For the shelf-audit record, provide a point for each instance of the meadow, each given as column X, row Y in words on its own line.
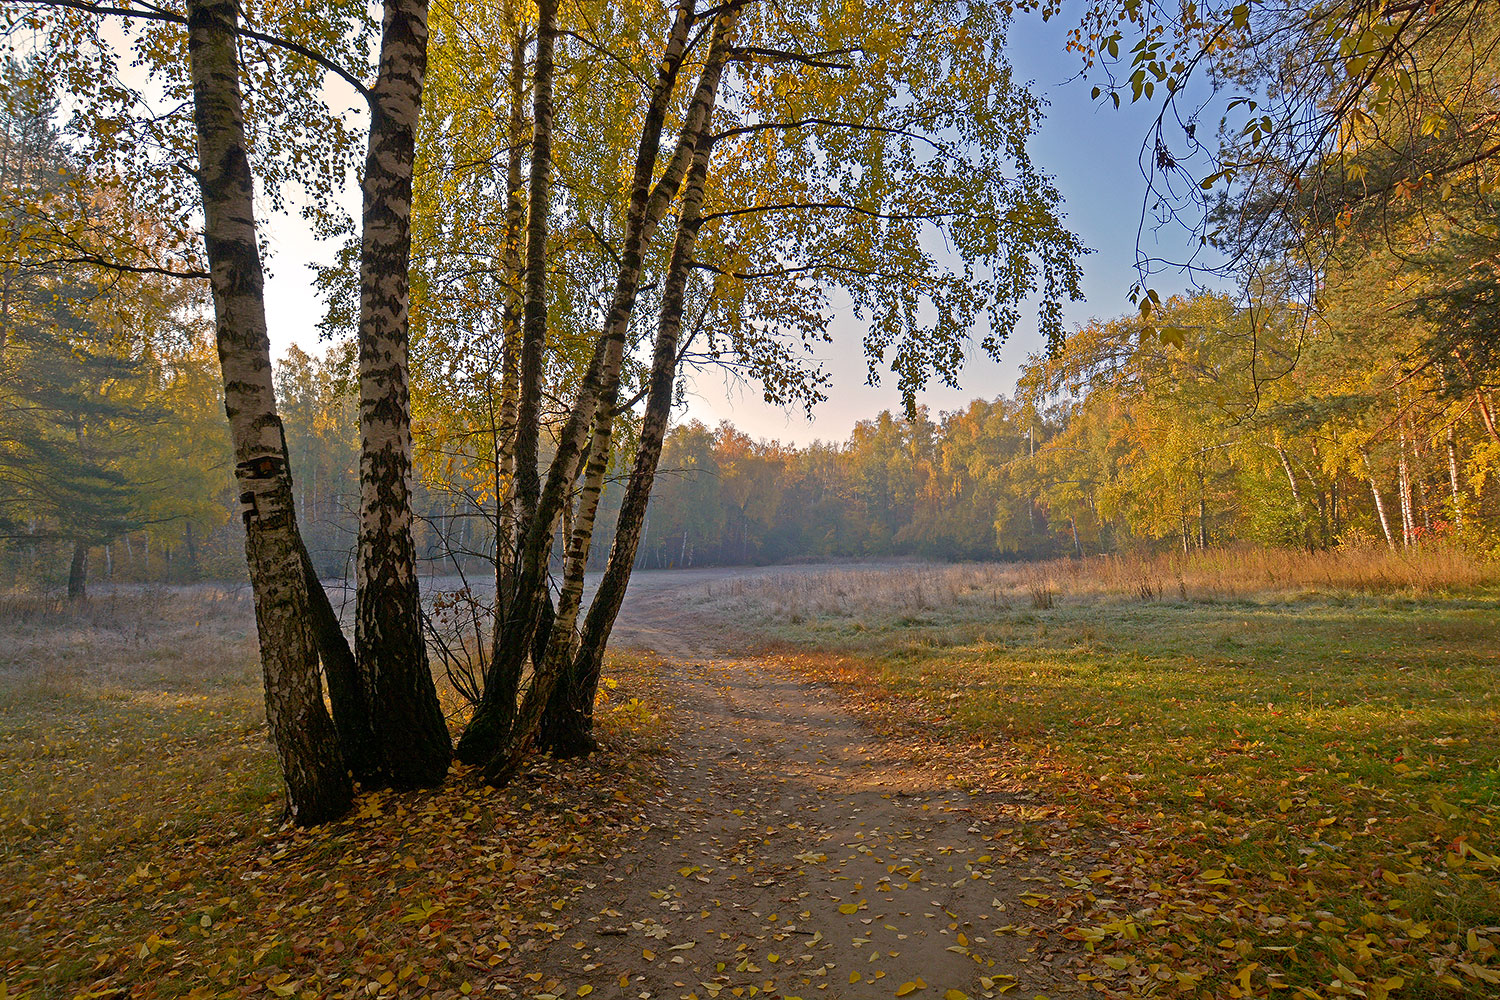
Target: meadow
column 1246, row 773
column 1279, row 770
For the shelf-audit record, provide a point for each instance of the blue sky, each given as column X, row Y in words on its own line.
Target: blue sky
column 1089, row 147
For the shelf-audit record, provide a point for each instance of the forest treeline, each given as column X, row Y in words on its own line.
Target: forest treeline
column 1255, row 424
column 1117, row 442
column 1360, row 414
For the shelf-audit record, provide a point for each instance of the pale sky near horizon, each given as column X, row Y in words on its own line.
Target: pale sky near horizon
column 1090, row 149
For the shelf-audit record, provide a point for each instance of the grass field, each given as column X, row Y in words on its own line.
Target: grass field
column 1272, row 787
column 1252, row 775
column 142, row 852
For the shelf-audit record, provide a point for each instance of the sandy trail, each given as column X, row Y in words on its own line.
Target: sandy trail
column 793, row 853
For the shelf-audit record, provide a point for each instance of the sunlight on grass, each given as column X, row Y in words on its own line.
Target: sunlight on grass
column 1329, row 758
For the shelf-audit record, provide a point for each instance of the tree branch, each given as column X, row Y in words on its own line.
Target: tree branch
column 148, row 12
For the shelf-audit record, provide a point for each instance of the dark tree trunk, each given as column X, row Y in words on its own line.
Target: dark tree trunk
column 534, row 307
column 600, row 387
column 556, row 667
column 346, row 693
column 491, row 727
column 571, row 714
column 492, row 720
column 318, row 786
column 1333, row 526
column 411, row 734
column 191, row 545
column 78, row 572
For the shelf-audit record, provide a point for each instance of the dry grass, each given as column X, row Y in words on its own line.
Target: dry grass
column 104, row 701
column 912, row 590
column 1241, row 738
column 1243, row 572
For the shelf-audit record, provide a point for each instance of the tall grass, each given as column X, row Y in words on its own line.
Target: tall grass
column 1241, row 573
column 1248, row 571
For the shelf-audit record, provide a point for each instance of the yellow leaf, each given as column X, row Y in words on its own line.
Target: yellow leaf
column 906, row 988
column 955, row 995
column 849, row 908
column 584, row 991
column 1244, row 976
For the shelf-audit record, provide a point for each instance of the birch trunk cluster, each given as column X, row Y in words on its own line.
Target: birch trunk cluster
column 554, row 708
column 386, row 727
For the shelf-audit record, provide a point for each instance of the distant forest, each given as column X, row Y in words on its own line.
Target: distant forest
column 1115, row 442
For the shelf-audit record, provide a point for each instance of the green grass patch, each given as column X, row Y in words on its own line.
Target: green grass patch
column 1330, row 761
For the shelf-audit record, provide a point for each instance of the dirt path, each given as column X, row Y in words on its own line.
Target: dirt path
column 793, row 854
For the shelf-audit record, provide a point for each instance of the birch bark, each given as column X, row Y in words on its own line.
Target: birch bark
column 510, row 323
column 534, row 305
column 410, row 731
column 307, row 748
column 1385, row 524
column 600, row 389
column 1458, row 501
column 575, row 722
column 493, row 722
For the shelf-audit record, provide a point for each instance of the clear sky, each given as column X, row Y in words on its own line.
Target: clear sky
column 1090, row 148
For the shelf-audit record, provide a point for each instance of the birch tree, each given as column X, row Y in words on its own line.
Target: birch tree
column 389, row 719
column 411, row 734
column 838, row 153
column 318, row 785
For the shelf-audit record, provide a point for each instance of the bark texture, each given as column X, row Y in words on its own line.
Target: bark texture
column 1455, row 492
column 510, row 352
column 562, row 641
column 534, row 307
column 1385, row 524
column 410, row 732
column 494, row 716
column 346, row 695
column 307, row 747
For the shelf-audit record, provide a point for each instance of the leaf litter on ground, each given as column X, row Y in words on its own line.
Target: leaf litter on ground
column 1307, row 811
